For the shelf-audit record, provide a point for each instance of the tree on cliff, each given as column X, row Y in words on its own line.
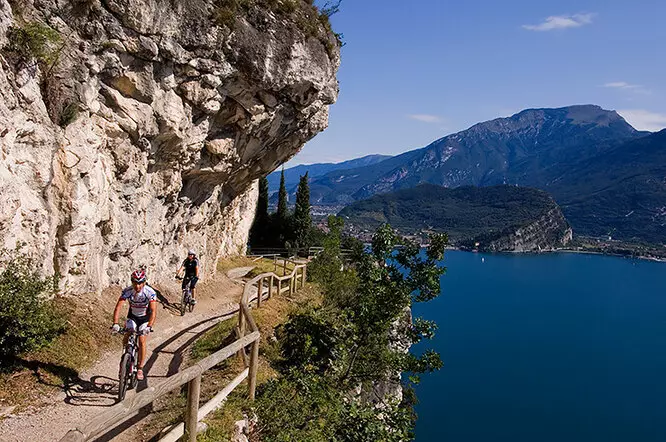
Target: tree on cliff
column 302, row 221
column 261, row 226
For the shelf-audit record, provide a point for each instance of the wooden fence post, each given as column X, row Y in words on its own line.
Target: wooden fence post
column 284, row 266
column 304, row 274
column 254, row 364
column 270, row 287
column 260, row 288
column 192, row 411
column 279, row 286
column 241, row 333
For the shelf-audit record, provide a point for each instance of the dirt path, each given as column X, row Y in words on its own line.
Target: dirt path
column 96, row 391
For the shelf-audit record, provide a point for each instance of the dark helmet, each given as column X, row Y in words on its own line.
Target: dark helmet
column 139, row 276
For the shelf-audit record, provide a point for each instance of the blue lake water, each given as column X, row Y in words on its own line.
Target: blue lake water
column 554, row 347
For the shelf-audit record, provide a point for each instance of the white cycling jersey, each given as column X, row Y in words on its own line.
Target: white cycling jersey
column 139, row 301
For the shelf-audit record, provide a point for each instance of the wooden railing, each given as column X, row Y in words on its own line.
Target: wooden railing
column 248, row 334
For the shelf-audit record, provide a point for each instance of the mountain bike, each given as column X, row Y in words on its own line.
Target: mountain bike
column 128, row 364
column 186, row 301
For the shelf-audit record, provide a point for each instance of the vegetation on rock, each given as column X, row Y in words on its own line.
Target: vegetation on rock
column 311, row 20
column 36, row 40
column 331, row 357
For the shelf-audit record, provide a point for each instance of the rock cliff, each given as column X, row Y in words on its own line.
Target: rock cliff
column 131, row 130
column 550, row 231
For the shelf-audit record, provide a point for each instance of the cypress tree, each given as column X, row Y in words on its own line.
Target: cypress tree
column 282, row 210
column 281, row 229
column 260, row 227
column 302, row 218
column 262, row 203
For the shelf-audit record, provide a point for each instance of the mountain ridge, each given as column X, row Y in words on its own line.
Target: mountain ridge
column 293, row 174
column 557, row 150
column 506, row 147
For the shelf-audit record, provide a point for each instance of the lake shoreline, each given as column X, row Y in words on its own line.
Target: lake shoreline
column 581, row 252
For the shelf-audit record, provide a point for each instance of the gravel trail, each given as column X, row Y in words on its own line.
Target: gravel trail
column 97, row 387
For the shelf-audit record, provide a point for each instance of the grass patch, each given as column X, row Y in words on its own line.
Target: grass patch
column 220, row 336
column 263, row 265
column 226, row 264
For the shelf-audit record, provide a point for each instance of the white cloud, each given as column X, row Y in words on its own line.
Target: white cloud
column 561, row 22
column 623, row 85
column 425, row 118
column 643, row 119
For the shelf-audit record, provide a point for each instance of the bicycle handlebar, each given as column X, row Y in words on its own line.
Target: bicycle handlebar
column 145, row 331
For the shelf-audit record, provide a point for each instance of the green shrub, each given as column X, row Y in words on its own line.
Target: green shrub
column 68, row 114
column 305, row 407
column 28, row 320
column 36, row 40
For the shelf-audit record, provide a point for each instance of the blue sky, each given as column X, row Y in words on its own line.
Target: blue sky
column 414, row 71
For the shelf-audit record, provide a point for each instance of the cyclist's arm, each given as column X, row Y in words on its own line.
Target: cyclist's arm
column 116, row 311
column 180, row 270
column 196, row 270
column 153, row 313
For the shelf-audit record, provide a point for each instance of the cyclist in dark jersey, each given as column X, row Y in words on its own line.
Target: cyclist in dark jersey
column 141, row 316
column 191, row 268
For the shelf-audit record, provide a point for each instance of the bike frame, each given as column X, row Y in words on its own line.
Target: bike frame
column 186, row 298
column 129, row 380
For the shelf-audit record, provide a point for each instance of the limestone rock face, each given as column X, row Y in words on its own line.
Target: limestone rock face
column 145, row 135
column 551, row 231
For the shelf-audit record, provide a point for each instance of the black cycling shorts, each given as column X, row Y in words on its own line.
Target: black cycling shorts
column 137, row 323
column 192, row 280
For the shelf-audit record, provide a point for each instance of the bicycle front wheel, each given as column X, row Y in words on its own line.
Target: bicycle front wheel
column 124, row 375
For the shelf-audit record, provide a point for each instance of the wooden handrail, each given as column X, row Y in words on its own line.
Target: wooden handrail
column 117, row 414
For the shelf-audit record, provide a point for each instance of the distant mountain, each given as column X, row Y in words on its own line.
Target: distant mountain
column 499, row 218
column 621, row 193
column 529, row 149
column 607, row 177
column 293, row 174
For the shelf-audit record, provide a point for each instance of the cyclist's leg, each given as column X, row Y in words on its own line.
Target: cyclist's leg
column 142, row 349
column 193, row 284
column 130, row 325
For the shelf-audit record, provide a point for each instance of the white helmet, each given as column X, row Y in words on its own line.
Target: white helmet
column 191, row 252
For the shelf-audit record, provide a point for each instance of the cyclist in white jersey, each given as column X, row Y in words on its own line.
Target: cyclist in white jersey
column 142, row 313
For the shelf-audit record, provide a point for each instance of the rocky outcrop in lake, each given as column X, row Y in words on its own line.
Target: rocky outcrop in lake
column 132, row 130
column 550, row 231
column 495, row 218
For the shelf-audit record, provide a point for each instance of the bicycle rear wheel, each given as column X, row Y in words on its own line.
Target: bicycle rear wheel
column 125, row 372
column 183, row 303
column 190, row 304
